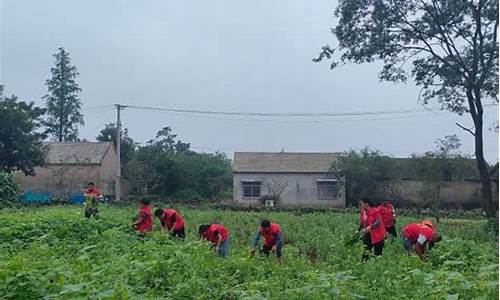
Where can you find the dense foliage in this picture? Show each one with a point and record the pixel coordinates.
(9, 189)
(55, 253)
(167, 167)
(448, 48)
(63, 102)
(127, 144)
(20, 137)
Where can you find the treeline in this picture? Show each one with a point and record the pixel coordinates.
(167, 167)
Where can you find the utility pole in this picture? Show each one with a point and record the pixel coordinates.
(118, 153)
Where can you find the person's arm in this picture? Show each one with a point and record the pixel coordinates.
(173, 220)
(256, 240)
(420, 247)
(140, 219)
(374, 225)
(219, 240)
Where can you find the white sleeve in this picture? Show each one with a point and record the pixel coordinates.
(421, 239)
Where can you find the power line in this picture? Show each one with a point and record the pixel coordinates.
(261, 114)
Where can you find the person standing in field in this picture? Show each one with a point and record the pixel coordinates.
(373, 229)
(171, 222)
(144, 222)
(218, 235)
(92, 196)
(418, 235)
(389, 217)
(273, 239)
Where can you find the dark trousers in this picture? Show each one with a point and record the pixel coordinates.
(266, 250)
(378, 247)
(179, 233)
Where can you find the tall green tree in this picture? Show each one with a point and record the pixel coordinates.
(20, 136)
(127, 144)
(448, 47)
(363, 171)
(63, 103)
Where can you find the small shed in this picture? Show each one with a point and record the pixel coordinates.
(303, 178)
(70, 166)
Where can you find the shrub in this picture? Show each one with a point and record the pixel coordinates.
(9, 189)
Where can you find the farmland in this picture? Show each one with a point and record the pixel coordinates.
(54, 253)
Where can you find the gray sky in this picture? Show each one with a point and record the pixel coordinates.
(217, 55)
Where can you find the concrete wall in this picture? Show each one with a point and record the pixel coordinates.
(302, 189)
(60, 180)
(452, 193)
(107, 172)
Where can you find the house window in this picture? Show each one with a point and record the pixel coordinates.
(327, 189)
(251, 189)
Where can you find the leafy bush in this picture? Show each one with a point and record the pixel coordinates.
(9, 189)
(54, 253)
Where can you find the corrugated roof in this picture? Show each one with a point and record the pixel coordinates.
(283, 162)
(87, 153)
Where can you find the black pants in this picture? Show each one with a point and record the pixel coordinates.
(392, 231)
(179, 233)
(266, 249)
(378, 247)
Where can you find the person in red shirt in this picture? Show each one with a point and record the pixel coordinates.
(144, 222)
(273, 238)
(92, 196)
(389, 217)
(418, 235)
(171, 221)
(374, 230)
(218, 235)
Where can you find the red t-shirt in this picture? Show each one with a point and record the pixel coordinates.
(413, 230)
(146, 217)
(167, 219)
(93, 191)
(387, 215)
(269, 234)
(376, 234)
(214, 231)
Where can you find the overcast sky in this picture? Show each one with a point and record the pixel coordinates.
(248, 56)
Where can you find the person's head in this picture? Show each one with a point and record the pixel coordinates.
(91, 185)
(203, 229)
(144, 202)
(159, 212)
(365, 203)
(265, 224)
(427, 223)
(386, 202)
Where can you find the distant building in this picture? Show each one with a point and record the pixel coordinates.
(302, 176)
(70, 166)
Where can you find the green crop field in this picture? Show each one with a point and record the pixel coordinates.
(54, 253)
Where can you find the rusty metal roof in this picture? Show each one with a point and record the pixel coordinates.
(283, 162)
(86, 153)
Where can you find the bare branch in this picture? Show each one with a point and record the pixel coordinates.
(466, 129)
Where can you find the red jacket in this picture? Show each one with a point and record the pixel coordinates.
(270, 233)
(377, 233)
(388, 215)
(413, 230)
(147, 219)
(167, 219)
(214, 231)
(93, 192)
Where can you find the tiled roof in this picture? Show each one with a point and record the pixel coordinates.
(283, 162)
(87, 153)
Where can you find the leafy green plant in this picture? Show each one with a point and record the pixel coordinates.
(9, 189)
